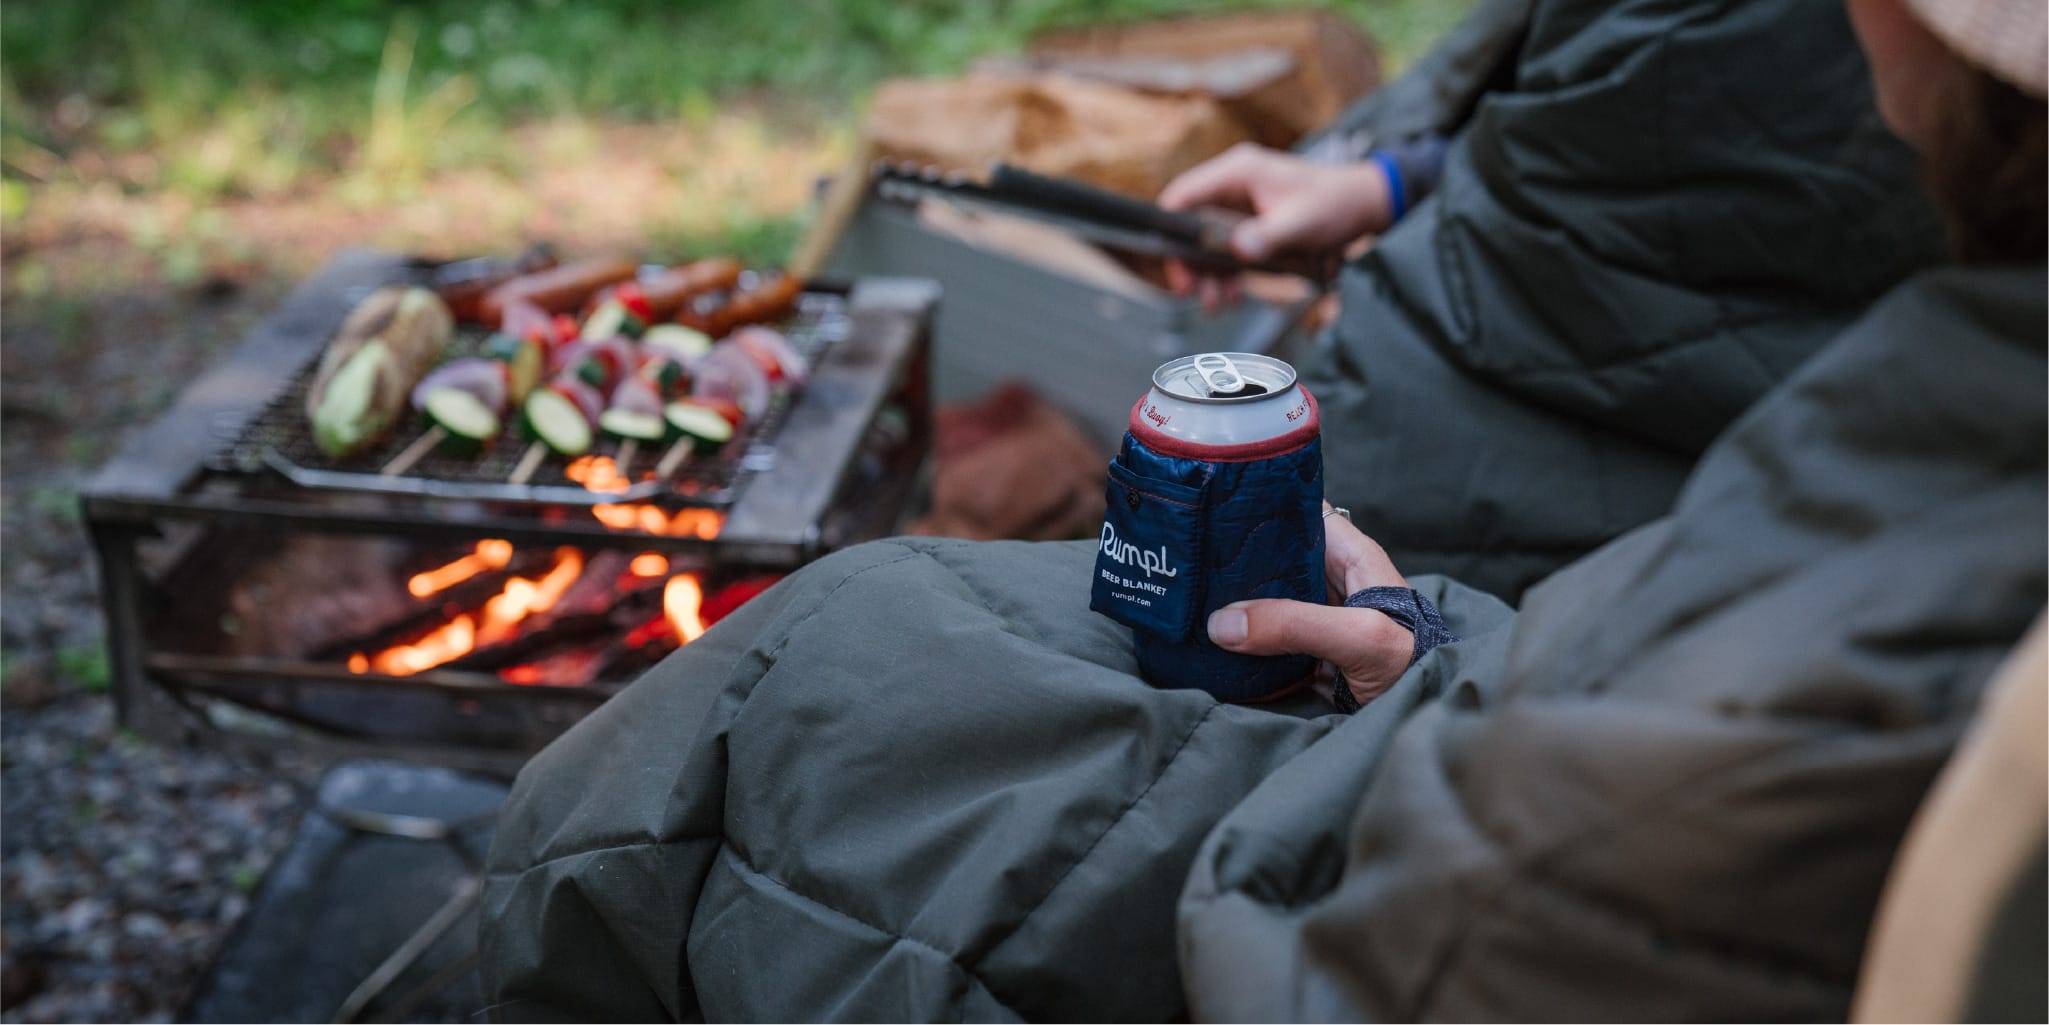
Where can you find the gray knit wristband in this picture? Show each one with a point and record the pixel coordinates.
(1405, 606)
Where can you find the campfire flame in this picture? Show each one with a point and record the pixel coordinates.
(451, 640)
(491, 553)
(522, 597)
(505, 614)
(499, 619)
(682, 601)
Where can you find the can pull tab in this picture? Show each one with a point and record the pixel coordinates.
(1219, 374)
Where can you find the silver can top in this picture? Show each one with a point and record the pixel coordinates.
(1216, 404)
(1223, 377)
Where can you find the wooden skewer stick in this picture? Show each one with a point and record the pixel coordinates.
(414, 452)
(628, 448)
(672, 459)
(528, 463)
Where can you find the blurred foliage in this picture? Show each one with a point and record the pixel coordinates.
(624, 57)
(137, 117)
(248, 96)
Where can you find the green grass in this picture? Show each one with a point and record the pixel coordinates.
(85, 666)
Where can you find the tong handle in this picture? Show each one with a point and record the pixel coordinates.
(1088, 201)
(1206, 230)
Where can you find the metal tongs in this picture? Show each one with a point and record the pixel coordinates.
(1200, 238)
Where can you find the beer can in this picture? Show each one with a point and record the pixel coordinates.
(1215, 496)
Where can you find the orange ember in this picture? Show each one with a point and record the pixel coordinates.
(451, 640)
(703, 524)
(596, 473)
(491, 553)
(682, 599)
(602, 474)
(648, 564)
(499, 619)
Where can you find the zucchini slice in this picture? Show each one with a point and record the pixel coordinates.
(612, 320)
(462, 415)
(556, 422)
(628, 423)
(347, 415)
(523, 362)
(679, 343)
(701, 423)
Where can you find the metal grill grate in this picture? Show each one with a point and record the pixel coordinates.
(277, 440)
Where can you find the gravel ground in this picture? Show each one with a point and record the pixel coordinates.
(123, 864)
(126, 863)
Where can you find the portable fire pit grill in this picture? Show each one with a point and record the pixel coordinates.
(454, 609)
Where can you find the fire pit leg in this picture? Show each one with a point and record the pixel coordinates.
(137, 705)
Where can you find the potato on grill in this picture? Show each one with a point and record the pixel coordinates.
(385, 346)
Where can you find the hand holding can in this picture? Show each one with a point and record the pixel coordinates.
(1215, 497)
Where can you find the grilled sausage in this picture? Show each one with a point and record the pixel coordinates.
(556, 290)
(667, 291)
(768, 301)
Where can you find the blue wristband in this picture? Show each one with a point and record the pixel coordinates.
(1397, 197)
(1414, 612)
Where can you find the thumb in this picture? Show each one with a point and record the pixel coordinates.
(1251, 240)
(1276, 626)
(1293, 224)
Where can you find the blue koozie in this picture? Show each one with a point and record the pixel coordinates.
(1216, 496)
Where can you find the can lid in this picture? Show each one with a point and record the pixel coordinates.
(1223, 377)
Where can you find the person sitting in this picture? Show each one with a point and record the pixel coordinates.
(1646, 217)
(920, 780)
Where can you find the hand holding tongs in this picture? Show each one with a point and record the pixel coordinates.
(1200, 238)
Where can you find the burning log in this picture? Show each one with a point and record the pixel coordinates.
(534, 622)
(434, 593)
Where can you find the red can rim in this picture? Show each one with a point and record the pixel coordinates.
(1244, 452)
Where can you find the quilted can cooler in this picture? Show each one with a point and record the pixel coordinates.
(1215, 496)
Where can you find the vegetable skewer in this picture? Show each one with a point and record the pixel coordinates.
(528, 463)
(673, 458)
(413, 453)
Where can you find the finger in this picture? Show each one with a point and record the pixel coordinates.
(1224, 180)
(1212, 294)
(1274, 626)
(1288, 225)
(1179, 278)
(1352, 561)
